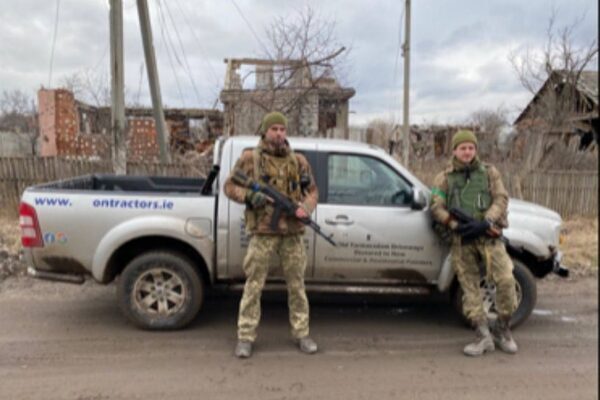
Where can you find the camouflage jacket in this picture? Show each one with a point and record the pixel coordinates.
(259, 221)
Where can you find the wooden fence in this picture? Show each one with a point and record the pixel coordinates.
(567, 192)
(17, 173)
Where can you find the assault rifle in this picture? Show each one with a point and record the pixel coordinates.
(463, 217)
(280, 202)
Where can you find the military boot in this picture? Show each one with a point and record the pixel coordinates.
(503, 337)
(307, 345)
(483, 341)
(243, 349)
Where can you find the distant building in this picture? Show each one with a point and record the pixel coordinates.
(72, 128)
(564, 111)
(315, 106)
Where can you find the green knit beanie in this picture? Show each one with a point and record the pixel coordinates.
(463, 136)
(272, 118)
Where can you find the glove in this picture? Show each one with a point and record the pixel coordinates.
(256, 199)
(472, 230)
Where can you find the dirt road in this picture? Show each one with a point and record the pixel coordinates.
(71, 342)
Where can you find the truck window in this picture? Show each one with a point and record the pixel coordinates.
(362, 180)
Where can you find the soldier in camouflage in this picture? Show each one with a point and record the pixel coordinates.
(477, 188)
(274, 163)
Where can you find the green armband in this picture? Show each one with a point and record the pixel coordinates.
(437, 192)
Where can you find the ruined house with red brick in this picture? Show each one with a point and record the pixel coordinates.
(70, 128)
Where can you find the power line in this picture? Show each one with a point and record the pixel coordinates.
(166, 45)
(139, 91)
(252, 29)
(102, 58)
(187, 65)
(202, 51)
(53, 42)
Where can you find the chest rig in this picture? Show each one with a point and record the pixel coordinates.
(469, 190)
(280, 173)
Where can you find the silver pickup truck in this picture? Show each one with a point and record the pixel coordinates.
(168, 240)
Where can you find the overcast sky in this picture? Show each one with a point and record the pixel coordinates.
(459, 48)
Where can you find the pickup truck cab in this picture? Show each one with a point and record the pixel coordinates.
(168, 241)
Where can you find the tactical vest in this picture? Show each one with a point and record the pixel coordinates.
(471, 191)
(281, 173)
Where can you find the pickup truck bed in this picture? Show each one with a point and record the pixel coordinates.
(106, 182)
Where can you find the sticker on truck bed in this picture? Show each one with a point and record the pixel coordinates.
(53, 201)
(55, 237)
(134, 204)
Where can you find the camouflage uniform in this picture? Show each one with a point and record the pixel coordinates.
(466, 258)
(283, 172)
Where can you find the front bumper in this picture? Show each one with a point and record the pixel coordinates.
(557, 267)
(540, 267)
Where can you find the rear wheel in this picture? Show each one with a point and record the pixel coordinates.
(160, 290)
(525, 287)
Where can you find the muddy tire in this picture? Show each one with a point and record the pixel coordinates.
(526, 296)
(160, 290)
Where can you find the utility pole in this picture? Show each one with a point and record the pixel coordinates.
(117, 110)
(159, 116)
(406, 55)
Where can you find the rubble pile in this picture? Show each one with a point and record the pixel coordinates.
(11, 259)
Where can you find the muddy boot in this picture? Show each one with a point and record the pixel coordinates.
(243, 349)
(503, 338)
(483, 342)
(307, 345)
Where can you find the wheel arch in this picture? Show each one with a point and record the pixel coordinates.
(133, 248)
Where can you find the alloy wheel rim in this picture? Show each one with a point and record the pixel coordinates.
(488, 292)
(159, 292)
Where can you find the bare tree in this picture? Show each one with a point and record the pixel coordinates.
(381, 132)
(489, 124)
(308, 38)
(552, 75)
(94, 88)
(302, 54)
(88, 86)
(18, 113)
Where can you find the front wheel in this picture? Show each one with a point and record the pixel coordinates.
(526, 289)
(160, 290)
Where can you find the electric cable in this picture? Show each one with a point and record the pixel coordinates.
(167, 50)
(56, 20)
(252, 29)
(185, 60)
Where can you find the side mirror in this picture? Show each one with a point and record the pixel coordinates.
(419, 199)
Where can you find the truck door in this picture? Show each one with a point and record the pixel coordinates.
(238, 240)
(366, 204)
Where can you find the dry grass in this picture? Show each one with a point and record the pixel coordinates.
(580, 247)
(10, 239)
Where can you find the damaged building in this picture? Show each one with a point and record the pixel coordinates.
(71, 128)
(561, 120)
(315, 106)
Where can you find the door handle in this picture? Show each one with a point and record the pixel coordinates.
(339, 220)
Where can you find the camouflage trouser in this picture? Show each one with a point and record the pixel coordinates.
(492, 254)
(256, 267)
